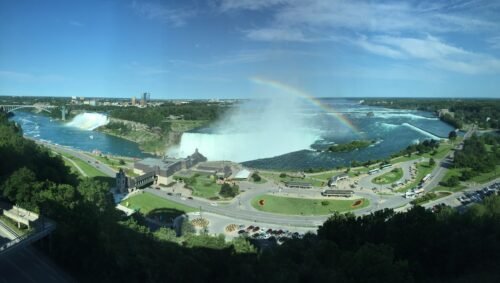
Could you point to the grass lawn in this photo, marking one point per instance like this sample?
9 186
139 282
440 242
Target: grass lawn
451 172
204 186
423 168
151 206
88 169
186 125
110 161
486 177
300 206
389 177
405 158
314 180
442 150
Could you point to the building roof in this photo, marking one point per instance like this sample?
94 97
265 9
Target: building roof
298 184
243 174
163 164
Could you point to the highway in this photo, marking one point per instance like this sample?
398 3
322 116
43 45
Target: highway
83 156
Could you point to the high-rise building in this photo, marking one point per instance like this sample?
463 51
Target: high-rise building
144 99
133 101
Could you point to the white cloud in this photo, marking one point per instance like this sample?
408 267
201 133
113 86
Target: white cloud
378 49
435 52
156 11
494 42
275 34
228 5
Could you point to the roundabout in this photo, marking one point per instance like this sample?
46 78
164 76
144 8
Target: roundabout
306 206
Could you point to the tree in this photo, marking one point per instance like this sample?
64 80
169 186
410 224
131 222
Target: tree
256 177
452 135
432 162
228 191
186 227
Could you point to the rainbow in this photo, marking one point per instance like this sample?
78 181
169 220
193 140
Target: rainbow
313 100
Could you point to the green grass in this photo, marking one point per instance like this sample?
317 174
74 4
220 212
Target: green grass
110 161
151 206
205 186
300 206
314 180
186 125
12 225
442 150
423 168
405 158
486 177
88 169
438 196
451 172
389 177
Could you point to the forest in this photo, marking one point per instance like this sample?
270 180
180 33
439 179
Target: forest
95 243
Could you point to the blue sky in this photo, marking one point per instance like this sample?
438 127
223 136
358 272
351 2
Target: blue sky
211 49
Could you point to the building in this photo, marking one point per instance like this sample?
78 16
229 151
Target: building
243 175
166 167
302 185
121 181
337 193
21 216
132 101
218 169
333 180
145 99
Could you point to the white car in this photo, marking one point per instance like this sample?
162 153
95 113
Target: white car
183 198
213 204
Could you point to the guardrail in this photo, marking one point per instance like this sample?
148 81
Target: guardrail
26 239
8 229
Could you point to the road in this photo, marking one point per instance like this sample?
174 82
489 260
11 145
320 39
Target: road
83 156
241 208
29 265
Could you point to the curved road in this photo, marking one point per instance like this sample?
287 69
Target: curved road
241 208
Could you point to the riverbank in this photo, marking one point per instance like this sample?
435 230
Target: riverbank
150 140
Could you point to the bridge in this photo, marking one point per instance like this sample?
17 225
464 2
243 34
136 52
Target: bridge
12 108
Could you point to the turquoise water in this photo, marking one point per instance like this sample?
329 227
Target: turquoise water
392 129
43 128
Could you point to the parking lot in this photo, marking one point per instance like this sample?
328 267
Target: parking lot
479 195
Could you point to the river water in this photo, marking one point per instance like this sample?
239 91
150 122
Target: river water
296 149
78 136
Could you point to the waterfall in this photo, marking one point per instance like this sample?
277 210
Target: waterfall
88 121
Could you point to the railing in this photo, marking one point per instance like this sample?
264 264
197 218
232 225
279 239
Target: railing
8 229
26 239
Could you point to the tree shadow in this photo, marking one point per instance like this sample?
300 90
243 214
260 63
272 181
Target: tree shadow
107 180
164 215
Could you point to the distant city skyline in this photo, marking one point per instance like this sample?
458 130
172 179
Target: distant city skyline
195 49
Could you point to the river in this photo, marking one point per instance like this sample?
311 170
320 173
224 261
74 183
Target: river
295 148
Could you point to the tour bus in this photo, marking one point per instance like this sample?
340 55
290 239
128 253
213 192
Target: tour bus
427 177
385 166
373 171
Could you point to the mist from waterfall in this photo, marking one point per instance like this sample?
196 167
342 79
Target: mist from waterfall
88 121
267 126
